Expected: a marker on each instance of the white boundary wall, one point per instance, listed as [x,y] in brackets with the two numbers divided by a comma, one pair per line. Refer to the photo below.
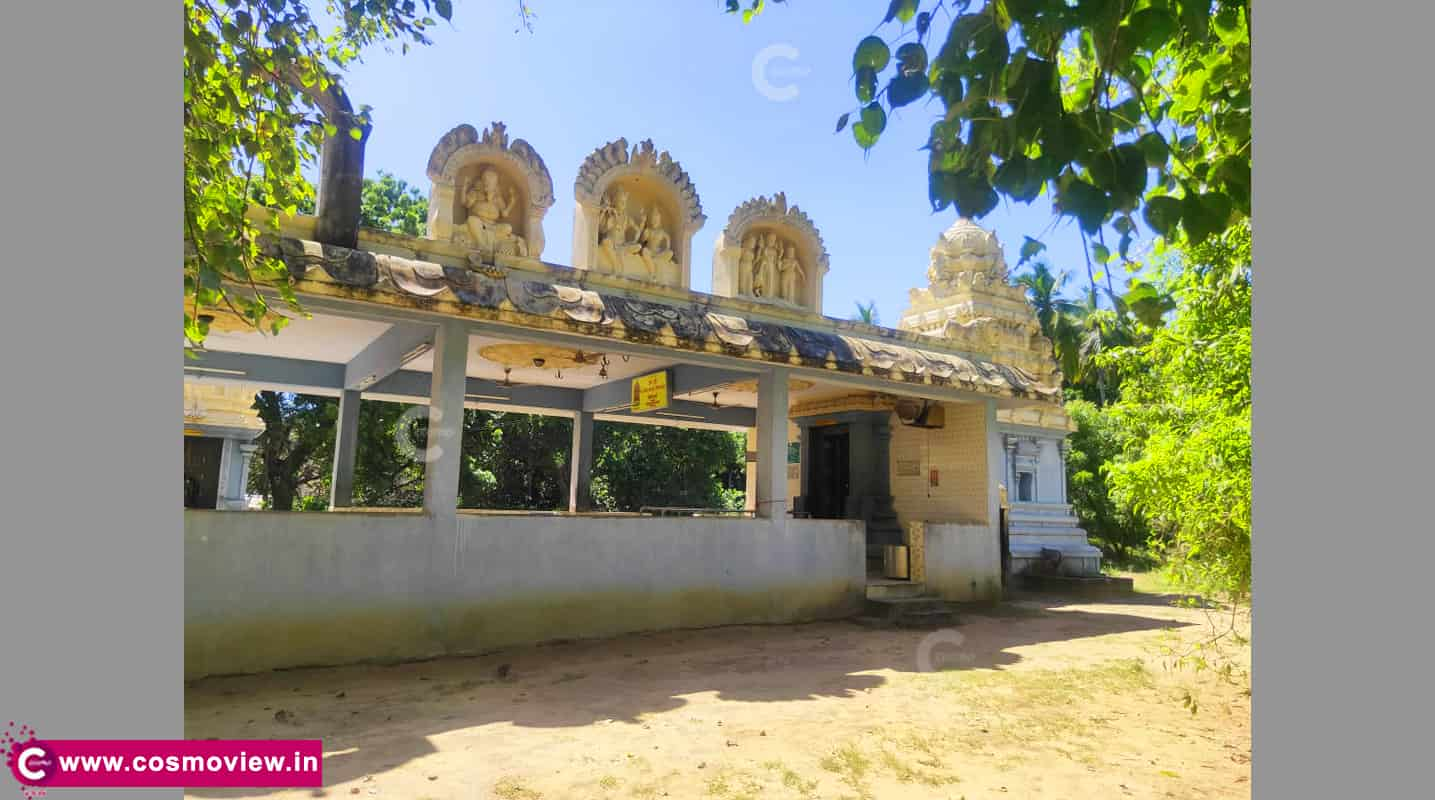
[265,590]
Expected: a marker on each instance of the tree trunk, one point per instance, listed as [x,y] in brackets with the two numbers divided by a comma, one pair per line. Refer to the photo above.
[341,183]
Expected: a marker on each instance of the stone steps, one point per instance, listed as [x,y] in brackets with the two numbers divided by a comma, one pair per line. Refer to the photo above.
[901,604]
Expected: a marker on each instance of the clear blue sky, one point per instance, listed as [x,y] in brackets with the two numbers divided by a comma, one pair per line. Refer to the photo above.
[681,73]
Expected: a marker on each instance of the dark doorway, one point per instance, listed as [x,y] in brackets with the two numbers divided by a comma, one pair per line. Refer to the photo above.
[828,476]
[201,471]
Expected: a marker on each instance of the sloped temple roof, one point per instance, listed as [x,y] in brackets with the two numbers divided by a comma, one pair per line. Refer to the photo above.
[532,294]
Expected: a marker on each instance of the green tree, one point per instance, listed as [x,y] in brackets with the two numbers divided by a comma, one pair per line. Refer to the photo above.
[295,450]
[262,97]
[515,461]
[1060,318]
[1110,107]
[1186,408]
[390,204]
[1099,440]
[656,465]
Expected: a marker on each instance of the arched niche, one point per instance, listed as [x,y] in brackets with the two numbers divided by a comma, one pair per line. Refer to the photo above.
[635,216]
[503,186]
[743,264]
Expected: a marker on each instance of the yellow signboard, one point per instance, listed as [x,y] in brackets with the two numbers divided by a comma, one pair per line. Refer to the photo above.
[650,392]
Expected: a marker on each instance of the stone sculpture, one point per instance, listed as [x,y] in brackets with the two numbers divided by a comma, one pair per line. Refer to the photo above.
[488,202]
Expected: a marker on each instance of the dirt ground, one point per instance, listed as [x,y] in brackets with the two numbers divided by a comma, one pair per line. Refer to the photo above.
[1032,698]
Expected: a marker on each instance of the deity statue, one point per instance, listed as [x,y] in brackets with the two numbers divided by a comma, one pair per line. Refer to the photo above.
[746,264]
[765,277]
[487,203]
[657,249]
[790,272]
[614,229]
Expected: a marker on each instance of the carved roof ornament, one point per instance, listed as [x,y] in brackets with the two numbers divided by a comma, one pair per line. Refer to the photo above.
[511,201]
[465,139]
[614,158]
[771,253]
[966,250]
[970,302]
[774,209]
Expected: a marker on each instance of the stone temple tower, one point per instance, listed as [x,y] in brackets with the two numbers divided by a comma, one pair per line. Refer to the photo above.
[970,302]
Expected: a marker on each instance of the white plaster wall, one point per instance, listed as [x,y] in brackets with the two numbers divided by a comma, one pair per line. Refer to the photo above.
[963,562]
[273,589]
[1049,474]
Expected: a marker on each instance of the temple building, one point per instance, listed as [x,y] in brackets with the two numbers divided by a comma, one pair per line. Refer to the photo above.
[866,444]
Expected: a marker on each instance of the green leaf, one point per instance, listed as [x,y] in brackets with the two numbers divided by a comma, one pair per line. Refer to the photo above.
[1163,213]
[870,126]
[356,134]
[924,21]
[904,89]
[1029,250]
[902,10]
[874,119]
[444,8]
[1100,253]
[866,84]
[1154,148]
[974,196]
[1203,215]
[1150,28]
[872,53]
[1019,178]
[842,122]
[1085,202]
[911,58]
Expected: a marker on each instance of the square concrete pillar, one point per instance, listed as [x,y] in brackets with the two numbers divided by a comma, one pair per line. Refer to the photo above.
[346,442]
[443,453]
[580,463]
[772,444]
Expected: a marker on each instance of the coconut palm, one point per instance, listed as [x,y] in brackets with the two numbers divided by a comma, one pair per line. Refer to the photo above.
[1060,318]
[867,312]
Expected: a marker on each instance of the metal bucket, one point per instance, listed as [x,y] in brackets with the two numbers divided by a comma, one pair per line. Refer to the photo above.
[894,561]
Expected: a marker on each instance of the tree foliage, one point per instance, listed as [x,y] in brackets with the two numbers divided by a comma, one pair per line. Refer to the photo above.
[1186,410]
[515,461]
[1099,440]
[1115,109]
[262,92]
[391,204]
[294,452]
[638,465]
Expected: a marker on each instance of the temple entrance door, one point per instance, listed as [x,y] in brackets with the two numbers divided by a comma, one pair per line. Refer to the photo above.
[201,471]
[829,479]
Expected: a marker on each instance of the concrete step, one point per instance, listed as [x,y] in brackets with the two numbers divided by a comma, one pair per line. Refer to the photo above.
[922,611]
[887,588]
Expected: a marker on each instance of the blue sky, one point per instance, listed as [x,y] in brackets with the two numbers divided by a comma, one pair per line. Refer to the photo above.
[681,73]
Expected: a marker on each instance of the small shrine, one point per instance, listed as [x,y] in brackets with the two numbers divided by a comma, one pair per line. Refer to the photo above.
[636,214]
[488,194]
[771,253]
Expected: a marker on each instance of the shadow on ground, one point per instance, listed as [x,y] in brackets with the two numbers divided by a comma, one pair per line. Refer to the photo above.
[376,718]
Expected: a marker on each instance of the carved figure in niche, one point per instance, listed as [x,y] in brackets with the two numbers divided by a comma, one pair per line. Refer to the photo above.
[657,252]
[764,282]
[746,264]
[790,272]
[614,227]
[487,203]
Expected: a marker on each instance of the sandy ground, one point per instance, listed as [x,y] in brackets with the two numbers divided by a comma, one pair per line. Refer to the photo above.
[1033,698]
